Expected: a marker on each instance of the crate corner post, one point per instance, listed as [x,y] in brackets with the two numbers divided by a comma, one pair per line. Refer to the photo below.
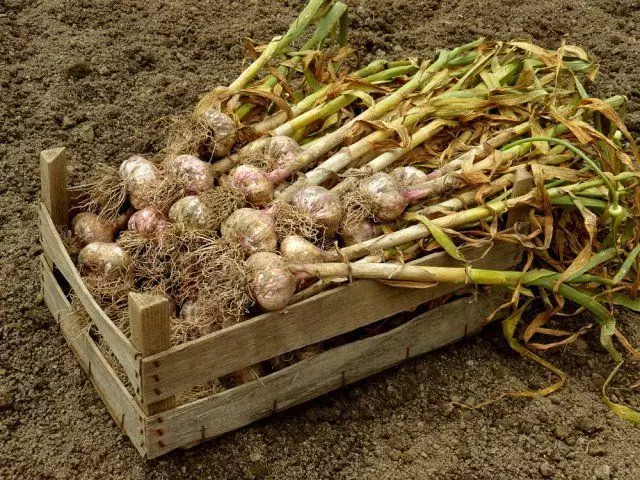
[150,334]
[53,184]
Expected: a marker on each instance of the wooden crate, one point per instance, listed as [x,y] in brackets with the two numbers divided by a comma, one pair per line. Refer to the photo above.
[157,372]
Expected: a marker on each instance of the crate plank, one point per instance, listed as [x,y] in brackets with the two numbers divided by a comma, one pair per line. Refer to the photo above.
[121,405]
[318,318]
[119,344]
[232,409]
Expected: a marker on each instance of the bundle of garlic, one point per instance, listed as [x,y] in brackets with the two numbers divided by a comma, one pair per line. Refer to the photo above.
[275,182]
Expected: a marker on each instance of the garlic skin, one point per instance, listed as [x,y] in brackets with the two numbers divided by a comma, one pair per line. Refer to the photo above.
[273,285]
[252,229]
[189,212]
[323,206]
[271,152]
[140,176]
[384,196]
[412,180]
[359,232]
[409,177]
[283,152]
[253,182]
[131,164]
[296,249]
[195,175]
[148,221]
[224,132]
[107,261]
[89,227]
[276,155]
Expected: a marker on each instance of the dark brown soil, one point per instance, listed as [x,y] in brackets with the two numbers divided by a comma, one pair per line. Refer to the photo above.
[99,76]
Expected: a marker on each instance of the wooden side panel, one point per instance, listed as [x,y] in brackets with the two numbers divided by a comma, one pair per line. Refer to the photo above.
[120,345]
[311,378]
[318,318]
[121,405]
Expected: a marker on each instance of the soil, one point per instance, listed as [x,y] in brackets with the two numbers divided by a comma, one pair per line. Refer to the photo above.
[101,77]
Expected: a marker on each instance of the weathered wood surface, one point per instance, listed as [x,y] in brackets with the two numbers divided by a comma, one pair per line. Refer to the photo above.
[150,333]
[323,316]
[232,409]
[119,344]
[53,184]
[121,405]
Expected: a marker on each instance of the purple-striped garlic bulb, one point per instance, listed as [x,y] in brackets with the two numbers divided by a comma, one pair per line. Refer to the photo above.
[272,284]
[322,205]
[252,229]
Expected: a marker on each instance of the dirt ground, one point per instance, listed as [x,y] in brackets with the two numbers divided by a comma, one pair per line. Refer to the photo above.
[98,77]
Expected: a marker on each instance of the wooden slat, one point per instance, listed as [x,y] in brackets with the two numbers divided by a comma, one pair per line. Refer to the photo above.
[318,375]
[53,184]
[119,344]
[121,405]
[318,318]
[151,333]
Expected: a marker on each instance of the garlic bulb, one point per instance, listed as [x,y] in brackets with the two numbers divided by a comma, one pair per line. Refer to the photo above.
[296,249]
[223,132]
[195,175]
[252,182]
[358,232]
[252,229]
[276,155]
[89,227]
[147,221]
[273,285]
[409,177]
[107,261]
[322,205]
[140,177]
[383,194]
[189,212]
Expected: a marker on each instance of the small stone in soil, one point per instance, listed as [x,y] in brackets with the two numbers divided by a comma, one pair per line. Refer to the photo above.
[561,432]
[587,425]
[86,133]
[597,450]
[67,122]
[602,472]
[546,470]
[409,456]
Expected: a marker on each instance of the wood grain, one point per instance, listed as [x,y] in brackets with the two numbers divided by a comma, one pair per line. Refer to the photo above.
[150,333]
[232,409]
[121,405]
[119,344]
[53,184]
[323,316]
